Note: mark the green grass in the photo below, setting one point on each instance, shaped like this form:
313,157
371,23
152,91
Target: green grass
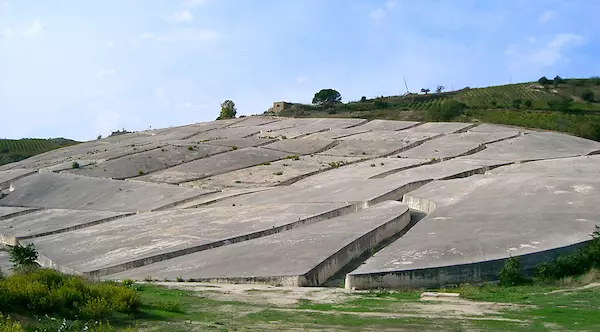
15,150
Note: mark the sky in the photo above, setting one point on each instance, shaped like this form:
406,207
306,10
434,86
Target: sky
80,69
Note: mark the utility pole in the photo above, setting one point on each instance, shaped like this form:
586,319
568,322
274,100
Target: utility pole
406,85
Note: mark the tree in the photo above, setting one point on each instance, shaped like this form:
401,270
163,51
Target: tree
516,103
449,110
22,256
363,99
440,88
544,80
327,97
228,110
588,96
528,103
559,80
425,91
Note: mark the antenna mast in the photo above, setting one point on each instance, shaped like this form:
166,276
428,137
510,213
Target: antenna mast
406,85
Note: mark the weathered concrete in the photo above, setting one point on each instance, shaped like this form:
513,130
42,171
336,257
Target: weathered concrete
251,121
302,127
155,236
336,133
148,162
187,131
241,143
301,146
451,169
387,125
214,165
455,145
52,221
9,176
67,191
585,167
305,256
536,146
472,221
277,173
406,138
223,133
440,127
491,128
212,198
10,211
5,264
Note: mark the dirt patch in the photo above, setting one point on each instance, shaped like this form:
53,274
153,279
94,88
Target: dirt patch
592,285
281,296
461,307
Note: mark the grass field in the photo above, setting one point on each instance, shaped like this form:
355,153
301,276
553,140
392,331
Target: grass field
12,150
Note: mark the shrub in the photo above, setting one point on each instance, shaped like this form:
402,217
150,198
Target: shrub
46,291
21,256
380,104
528,103
517,103
9,325
510,275
449,110
234,148
191,148
140,172
544,80
363,99
75,165
278,173
588,96
293,157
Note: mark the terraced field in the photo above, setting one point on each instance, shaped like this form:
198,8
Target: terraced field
299,202
16,150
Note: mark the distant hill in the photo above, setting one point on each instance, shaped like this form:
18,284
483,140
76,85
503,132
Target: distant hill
12,150
557,105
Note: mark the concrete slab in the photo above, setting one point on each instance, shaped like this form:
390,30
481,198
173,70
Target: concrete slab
277,173
212,198
373,168
224,133
53,221
5,264
301,146
241,143
469,231
450,169
386,144
455,145
8,176
387,125
303,127
148,162
305,256
492,128
13,211
577,167
391,136
67,191
187,131
214,165
336,133
155,236
440,127
67,165
251,121
537,146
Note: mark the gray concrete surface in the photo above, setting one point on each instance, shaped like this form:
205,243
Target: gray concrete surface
440,127
454,145
51,221
5,264
241,143
214,165
276,173
8,176
149,162
305,256
473,220
392,136
359,148
10,211
151,237
301,146
67,191
336,133
387,125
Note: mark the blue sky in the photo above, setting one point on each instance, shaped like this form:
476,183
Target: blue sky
79,69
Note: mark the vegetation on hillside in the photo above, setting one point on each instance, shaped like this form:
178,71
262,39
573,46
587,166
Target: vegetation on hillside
12,150
567,105
228,110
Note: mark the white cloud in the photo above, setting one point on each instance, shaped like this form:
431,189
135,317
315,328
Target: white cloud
183,16
377,14
106,72
530,57
546,17
35,28
189,34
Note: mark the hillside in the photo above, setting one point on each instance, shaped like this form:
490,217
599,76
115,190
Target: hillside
12,150
556,105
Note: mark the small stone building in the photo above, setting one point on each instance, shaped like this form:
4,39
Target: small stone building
279,106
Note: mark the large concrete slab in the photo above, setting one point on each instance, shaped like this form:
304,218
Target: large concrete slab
187,131
214,165
224,133
155,236
491,128
67,191
336,133
277,173
577,167
537,146
469,230
148,162
251,121
301,146
13,211
241,143
212,198
302,127
391,136
305,256
356,148
387,125
455,145
51,221
8,176
454,168
440,127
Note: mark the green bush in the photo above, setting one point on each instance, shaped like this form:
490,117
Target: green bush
449,110
46,291
22,256
588,96
75,165
510,275
9,325
576,263
528,103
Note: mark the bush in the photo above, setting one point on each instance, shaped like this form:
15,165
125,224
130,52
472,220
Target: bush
363,99
517,103
9,325
449,110
595,80
510,275
22,256
380,104
544,80
528,103
75,165
46,291
588,96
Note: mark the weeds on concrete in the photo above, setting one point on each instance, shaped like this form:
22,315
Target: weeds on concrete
234,148
278,173
293,157
75,165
